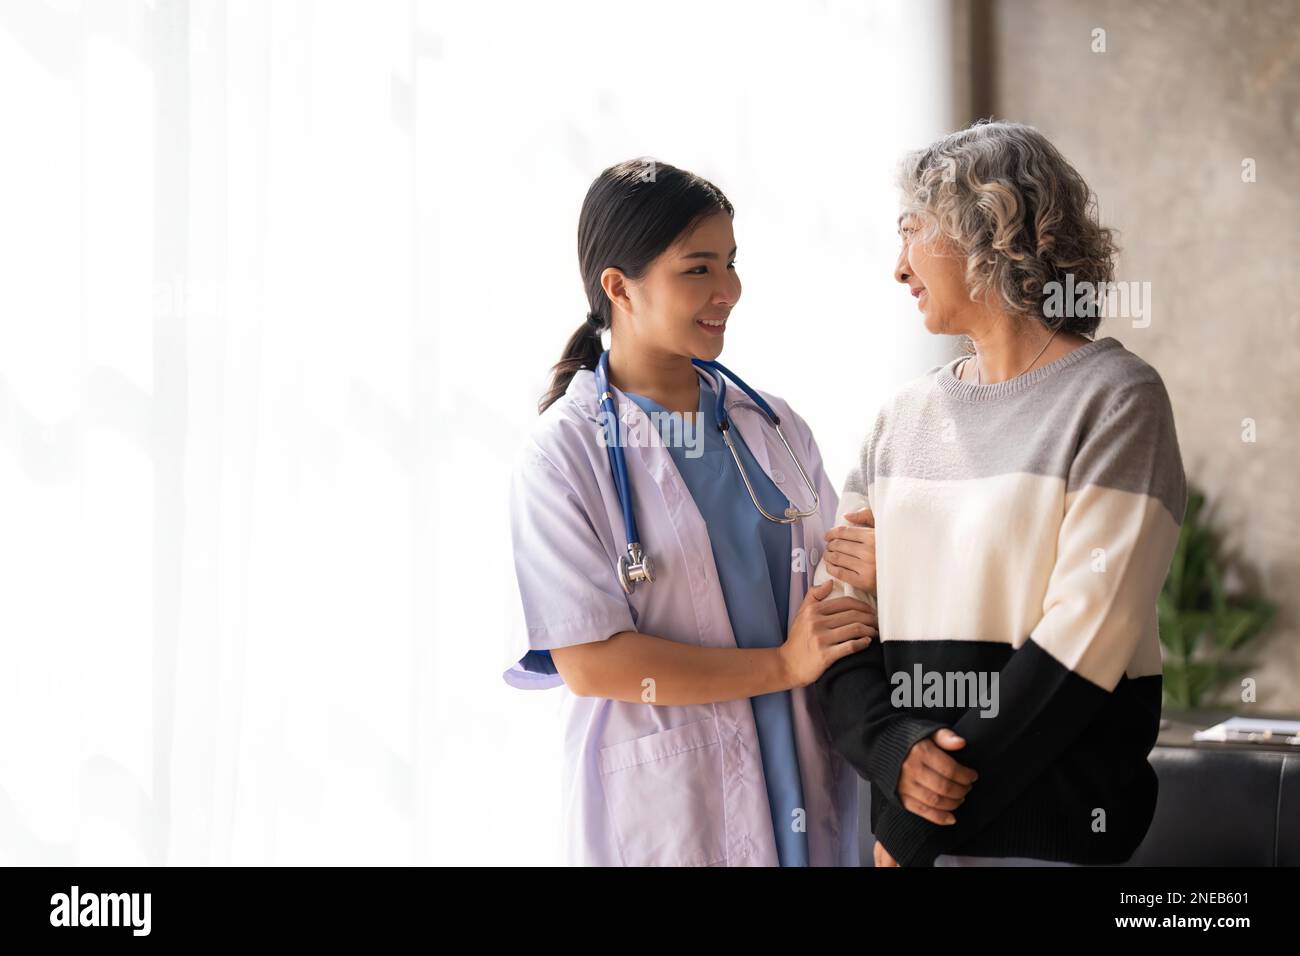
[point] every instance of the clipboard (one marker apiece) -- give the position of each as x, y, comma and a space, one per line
1251, 730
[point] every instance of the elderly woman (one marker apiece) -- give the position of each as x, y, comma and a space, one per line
1027, 500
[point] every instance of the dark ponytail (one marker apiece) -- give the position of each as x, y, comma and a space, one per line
632, 213
581, 351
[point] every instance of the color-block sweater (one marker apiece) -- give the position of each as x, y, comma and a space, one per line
1023, 533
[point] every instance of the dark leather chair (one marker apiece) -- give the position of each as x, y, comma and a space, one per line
1221, 807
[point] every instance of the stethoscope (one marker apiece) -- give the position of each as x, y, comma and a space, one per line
636, 564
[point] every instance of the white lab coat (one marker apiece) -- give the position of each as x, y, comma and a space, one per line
645, 784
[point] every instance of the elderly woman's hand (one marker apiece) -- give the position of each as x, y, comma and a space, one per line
930, 783
851, 551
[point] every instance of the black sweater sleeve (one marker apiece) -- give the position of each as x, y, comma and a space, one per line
871, 734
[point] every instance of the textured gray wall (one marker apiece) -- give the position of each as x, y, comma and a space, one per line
1159, 124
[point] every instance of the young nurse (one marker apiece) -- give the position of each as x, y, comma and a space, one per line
692, 736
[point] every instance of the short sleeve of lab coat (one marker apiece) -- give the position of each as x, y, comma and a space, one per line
567, 585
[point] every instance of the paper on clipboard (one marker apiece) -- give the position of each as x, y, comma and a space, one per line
1252, 730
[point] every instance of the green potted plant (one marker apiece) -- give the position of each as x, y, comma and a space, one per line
1202, 628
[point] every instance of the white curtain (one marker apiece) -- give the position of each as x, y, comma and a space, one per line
283, 281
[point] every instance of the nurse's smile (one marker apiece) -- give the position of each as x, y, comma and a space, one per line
713, 326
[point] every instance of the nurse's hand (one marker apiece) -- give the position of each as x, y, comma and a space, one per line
851, 551
882, 856
823, 632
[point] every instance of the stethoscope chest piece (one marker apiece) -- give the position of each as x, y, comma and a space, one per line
633, 567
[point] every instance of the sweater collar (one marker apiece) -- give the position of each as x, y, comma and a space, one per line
970, 392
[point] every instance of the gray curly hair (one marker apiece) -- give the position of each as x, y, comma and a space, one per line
1022, 216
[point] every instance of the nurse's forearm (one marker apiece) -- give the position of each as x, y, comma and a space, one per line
642, 668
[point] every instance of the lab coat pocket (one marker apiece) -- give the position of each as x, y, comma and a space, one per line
664, 795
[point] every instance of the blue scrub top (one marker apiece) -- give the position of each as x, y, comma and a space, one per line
752, 556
